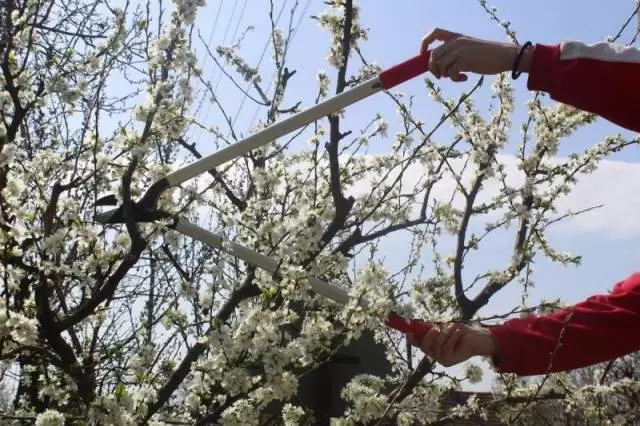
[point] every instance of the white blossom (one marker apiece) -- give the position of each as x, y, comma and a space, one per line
104, 92
473, 373
241, 413
8, 151
292, 414
50, 418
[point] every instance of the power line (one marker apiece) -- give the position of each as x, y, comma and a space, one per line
224, 38
213, 29
293, 36
215, 89
264, 51
235, 31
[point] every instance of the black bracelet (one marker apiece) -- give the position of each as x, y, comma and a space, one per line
514, 72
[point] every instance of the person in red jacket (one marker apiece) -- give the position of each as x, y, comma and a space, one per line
601, 78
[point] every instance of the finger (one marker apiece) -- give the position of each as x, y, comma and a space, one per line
459, 77
433, 66
441, 56
449, 347
428, 340
454, 74
449, 63
436, 34
438, 344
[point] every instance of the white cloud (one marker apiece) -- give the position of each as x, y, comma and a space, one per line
615, 185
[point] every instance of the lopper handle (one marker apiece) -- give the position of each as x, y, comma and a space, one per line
405, 71
416, 327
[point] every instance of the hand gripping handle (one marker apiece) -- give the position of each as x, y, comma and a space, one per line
405, 71
416, 327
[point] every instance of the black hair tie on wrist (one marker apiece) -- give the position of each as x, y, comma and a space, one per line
514, 72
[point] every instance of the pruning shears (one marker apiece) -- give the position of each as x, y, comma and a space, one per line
146, 209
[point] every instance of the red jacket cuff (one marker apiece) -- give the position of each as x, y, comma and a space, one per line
498, 360
541, 73
503, 361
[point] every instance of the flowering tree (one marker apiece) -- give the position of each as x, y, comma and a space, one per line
600, 394
135, 323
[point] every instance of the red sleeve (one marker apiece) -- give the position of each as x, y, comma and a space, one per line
601, 328
601, 78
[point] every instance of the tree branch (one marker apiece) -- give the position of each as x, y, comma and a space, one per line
343, 206
46, 319
240, 204
247, 290
138, 245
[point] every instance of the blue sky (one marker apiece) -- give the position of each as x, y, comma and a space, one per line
606, 240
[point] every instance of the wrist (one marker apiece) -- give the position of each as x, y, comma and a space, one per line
527, 58
522, 60
488, 346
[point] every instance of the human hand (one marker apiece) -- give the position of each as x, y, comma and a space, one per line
455, 343
459, 53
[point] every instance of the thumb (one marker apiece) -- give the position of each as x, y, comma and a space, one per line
437, 34
458, 78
